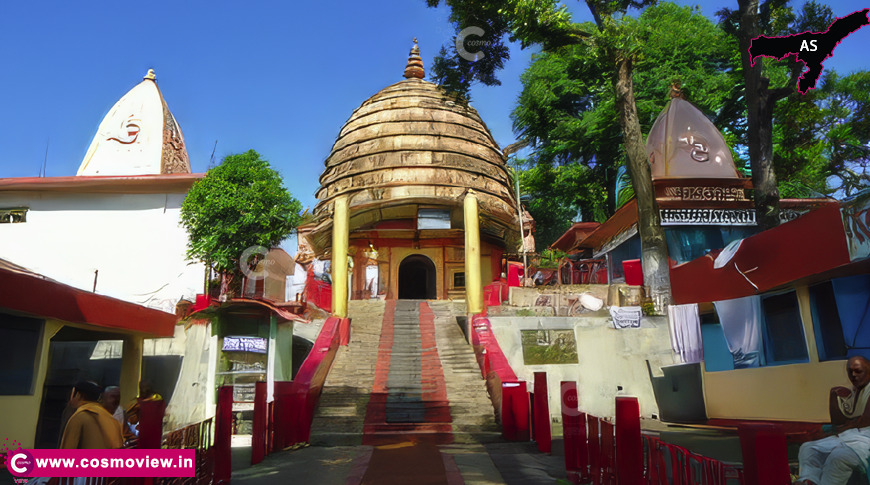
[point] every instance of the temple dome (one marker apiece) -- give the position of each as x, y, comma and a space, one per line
683, 143
412, 143
139, 136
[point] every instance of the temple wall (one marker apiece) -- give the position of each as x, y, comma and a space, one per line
447, 260
797, 392
134, 240
22, 412
607, 358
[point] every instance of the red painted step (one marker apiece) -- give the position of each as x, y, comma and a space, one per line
437, 427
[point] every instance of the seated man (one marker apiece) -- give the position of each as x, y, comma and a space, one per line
832, 460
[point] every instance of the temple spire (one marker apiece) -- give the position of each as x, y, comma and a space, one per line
150, 75
415, 63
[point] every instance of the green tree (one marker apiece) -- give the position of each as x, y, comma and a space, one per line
567, 110
559, 194
240, 204
766, 82
821, 138
615, 41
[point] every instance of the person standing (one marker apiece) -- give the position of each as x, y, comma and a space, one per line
91, 426
112, 402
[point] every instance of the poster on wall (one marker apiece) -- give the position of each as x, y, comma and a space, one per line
245, 344
544, 346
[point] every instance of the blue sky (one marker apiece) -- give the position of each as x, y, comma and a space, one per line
278, 77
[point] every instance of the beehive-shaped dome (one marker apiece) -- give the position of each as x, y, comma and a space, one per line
412, 143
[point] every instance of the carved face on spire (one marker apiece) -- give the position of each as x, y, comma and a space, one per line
684, 143
138, 136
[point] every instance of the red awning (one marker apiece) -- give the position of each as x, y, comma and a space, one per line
811, 244
576, 233
285, 311
36, 295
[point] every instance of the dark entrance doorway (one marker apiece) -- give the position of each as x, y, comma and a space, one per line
417, 278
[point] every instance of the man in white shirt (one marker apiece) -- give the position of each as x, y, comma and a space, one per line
832, 460
112, 402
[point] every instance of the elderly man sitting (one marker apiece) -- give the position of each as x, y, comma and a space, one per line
832, 460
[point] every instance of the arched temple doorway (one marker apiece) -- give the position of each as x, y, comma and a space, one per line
417, 278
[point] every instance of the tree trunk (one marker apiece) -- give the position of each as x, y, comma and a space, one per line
759, 114
231, 285
656, 274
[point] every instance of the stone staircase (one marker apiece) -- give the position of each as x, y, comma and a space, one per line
341, 416
470, 407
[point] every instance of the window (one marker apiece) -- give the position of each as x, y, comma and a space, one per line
433, 219
826, 322
782, 330
717, 356
13, 216
459, 279
19, 344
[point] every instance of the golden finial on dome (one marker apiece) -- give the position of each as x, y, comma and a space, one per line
150, 75
415, 63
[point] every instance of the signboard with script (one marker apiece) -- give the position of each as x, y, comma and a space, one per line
245, 344
707, 217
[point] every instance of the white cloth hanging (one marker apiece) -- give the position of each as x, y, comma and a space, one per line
740, 319
685, 324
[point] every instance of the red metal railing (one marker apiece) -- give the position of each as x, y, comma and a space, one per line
602, 453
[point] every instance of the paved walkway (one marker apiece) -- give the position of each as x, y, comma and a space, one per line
405, 403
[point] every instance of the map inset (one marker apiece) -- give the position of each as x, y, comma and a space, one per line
811, 48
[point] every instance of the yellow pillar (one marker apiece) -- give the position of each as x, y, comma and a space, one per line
131, 368
473, 285
340, 241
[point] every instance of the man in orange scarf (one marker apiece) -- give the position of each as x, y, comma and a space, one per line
91, 426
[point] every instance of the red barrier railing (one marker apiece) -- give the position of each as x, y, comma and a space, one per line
260, 424
542, 413
629, 447
223, 435
509, 395
765, 455
596, 451
198, 437
296, 401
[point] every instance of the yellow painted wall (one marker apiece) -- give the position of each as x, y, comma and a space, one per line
796, 392
787, 392
19, 414
397, 255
